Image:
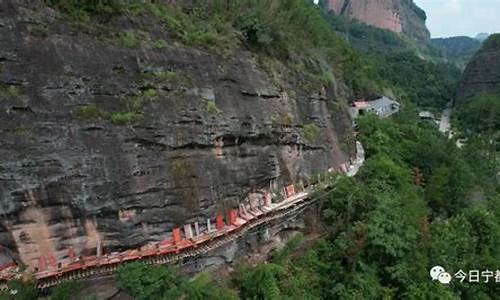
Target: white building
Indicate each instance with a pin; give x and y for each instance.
(382, 107)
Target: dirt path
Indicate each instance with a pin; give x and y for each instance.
(445, 124)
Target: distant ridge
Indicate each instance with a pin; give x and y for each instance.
(482, 36)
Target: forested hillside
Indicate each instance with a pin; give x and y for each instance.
(458, 50)
(418, 202)
(478, 101)
(397, 65)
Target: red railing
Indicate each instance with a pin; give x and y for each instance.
(50, 271)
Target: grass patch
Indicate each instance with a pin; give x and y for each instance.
(10, 92)
(38, 30)
(135, 108)
(162, 74)
(195, 28)
(133, 113)
(123, 118)
(212, 108)
(89, 113)
(282, 119)
(135, 103)
(166, 74)
(327, 78)
(83, 11)
(160, 44)
(149, 93)
(130, 39)
(311, 132)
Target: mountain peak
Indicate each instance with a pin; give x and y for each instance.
(482, 74)
(482, 36)
(400, 16)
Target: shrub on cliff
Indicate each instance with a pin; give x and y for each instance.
(212, 108)
(149, 282)
(262, 282)
(492, 43)
(482, 113)
(18, 289)
(253, 30)
(122, 118)
(9, 92)
(311, 132)
(66, 290)
(81, 10)
(160, 282)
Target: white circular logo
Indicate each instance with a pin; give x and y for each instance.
(444, 278)
(435, 271)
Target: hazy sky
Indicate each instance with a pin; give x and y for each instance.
(461, 17)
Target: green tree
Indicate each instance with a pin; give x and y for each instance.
(436, 191)
(20, 290)
(150, 282)
(263, 282)
(202, 287)
(429, 290)
(66, 291)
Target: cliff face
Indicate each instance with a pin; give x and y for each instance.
(401, 16)
(205, 133)
(482, 74)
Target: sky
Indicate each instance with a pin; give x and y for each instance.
(461, 17)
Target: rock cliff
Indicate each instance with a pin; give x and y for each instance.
(401, 16)
(482, 74)
(111, 145)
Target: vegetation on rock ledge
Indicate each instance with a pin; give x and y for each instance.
(160, 282)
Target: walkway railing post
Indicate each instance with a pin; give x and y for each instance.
(209, 226)
(188, 231)
(196, 229)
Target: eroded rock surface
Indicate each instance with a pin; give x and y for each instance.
(401, 16)
(482, 74)
(206, 131)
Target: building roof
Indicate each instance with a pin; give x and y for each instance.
(361, 104)
(382, 102)
(383, 107)
(375, 104)
(426, 115)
